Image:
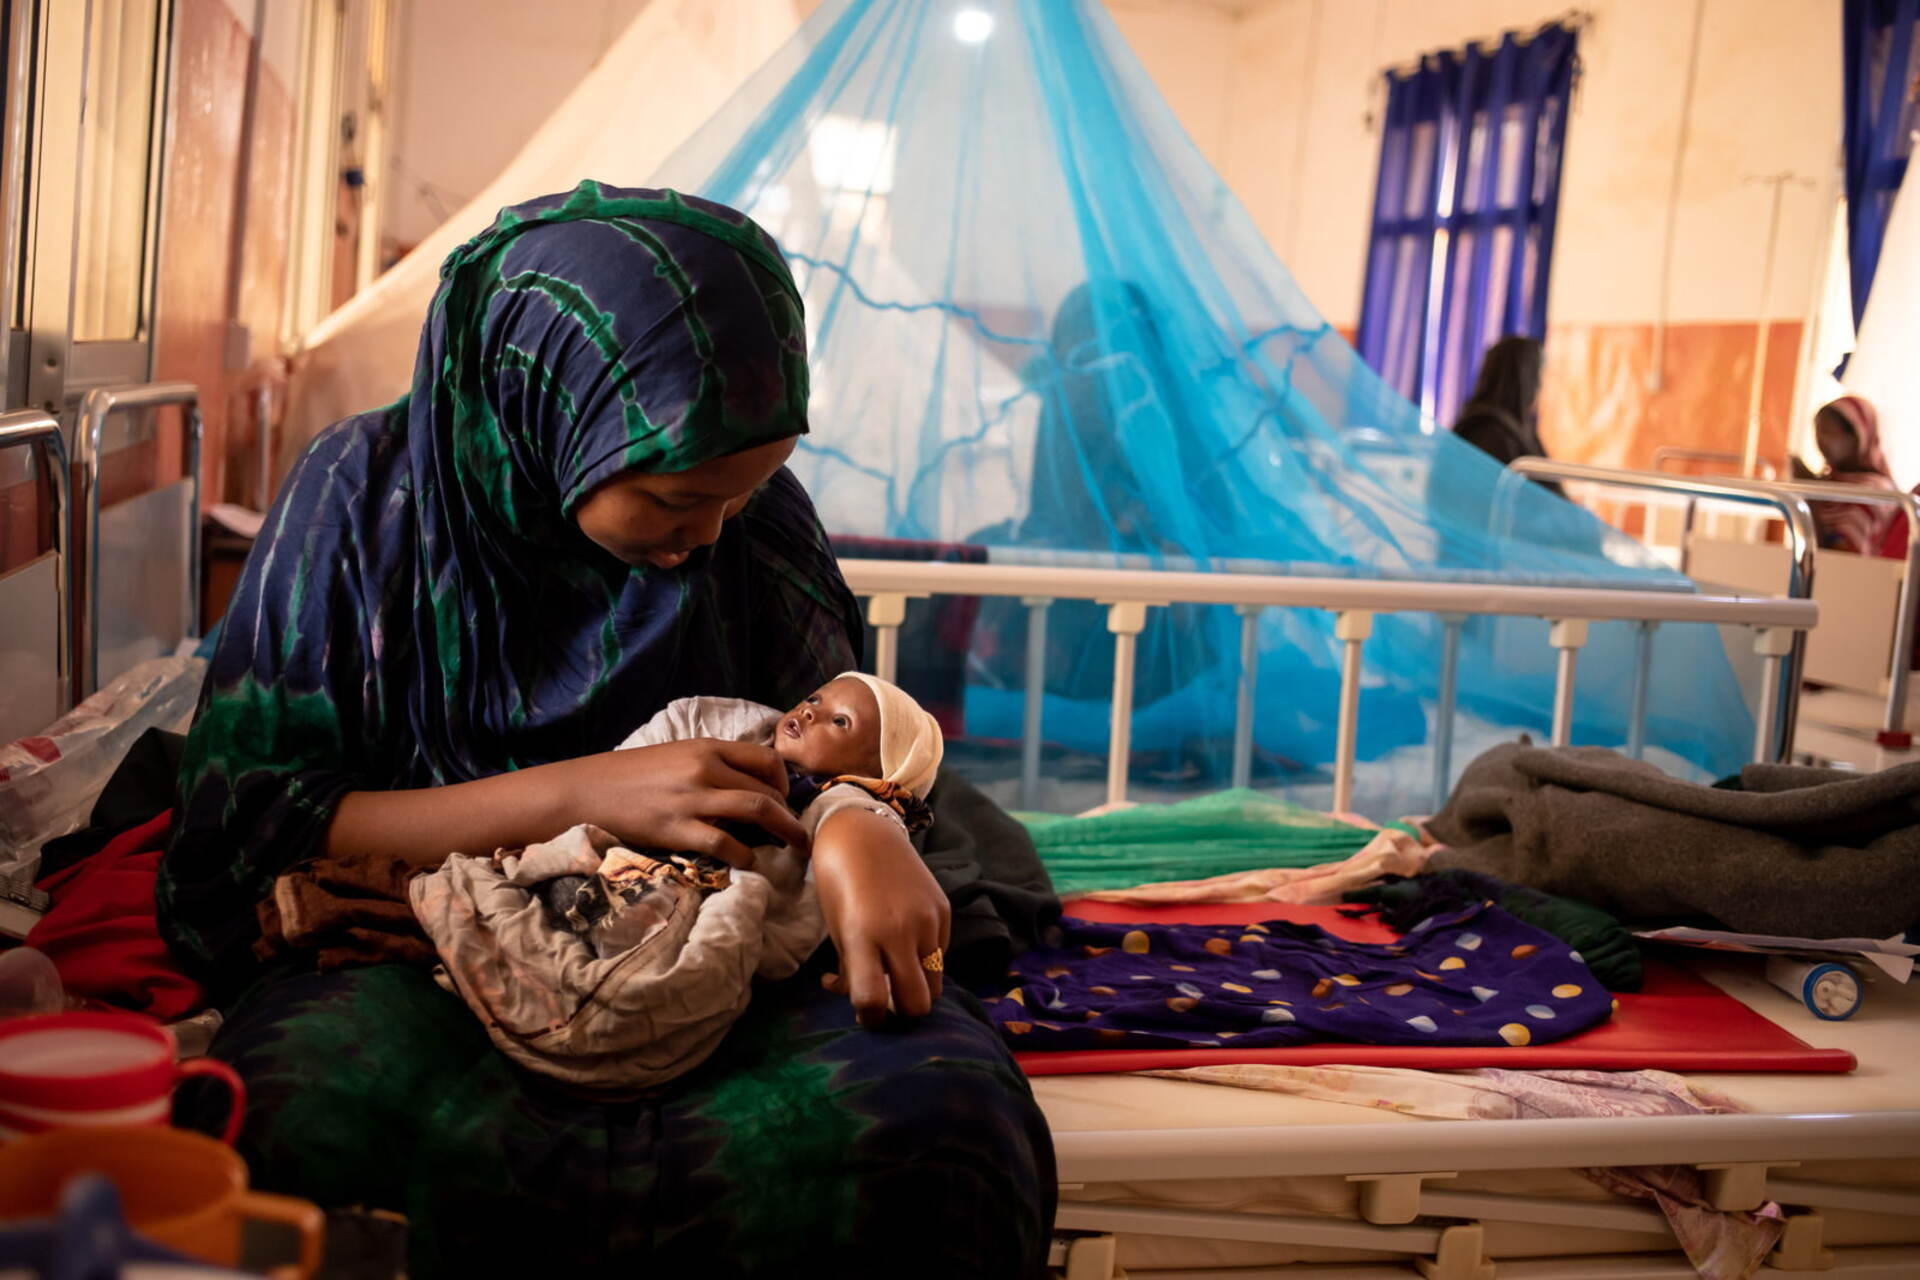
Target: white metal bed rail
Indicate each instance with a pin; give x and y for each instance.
(1783, 680)
(40, 432)
(1788, 497)
(96, 407)
(1778, 624)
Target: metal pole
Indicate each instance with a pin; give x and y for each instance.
(886, 610)
(1443, 711)
(13, 154)
(1750, 454)
(1126, 619)
(1243, 709)
(1904, 623)
(1776, 647)
(96, 407)
(1567, 635)
(1642, 681)
(190, 598)
(41, 432)
(1035, 695)
(1351, 627)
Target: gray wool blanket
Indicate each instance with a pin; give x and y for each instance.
(1797, 851)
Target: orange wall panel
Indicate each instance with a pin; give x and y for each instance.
(1600, 403)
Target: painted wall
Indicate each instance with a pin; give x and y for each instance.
(1766, 98)
(473, 78)
(1658, 260)
(1642, 165)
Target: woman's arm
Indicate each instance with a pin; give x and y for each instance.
(885, 911)
(664, 797)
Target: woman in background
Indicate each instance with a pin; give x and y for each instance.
(1499, 418)
(1848, 432)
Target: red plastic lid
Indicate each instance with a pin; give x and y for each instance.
(125, 1085)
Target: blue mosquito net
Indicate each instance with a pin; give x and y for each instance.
(1044, 331)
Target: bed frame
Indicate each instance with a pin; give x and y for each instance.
(1404, 1208)
(1401, 1166)
(1873, 605)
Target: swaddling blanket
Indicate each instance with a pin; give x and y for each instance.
(639, 1016)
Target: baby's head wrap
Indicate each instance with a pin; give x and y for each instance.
(910, 741)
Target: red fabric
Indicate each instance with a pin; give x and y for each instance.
(102, 934)
(1676, 1022)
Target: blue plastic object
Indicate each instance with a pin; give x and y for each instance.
(88, 1240)
(1040, 323)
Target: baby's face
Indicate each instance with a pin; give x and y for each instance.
(835, 730)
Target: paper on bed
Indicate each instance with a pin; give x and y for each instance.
(1892, 956)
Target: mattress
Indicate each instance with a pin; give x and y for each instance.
(1094, 1117)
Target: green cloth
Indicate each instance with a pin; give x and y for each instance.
(1238, 830)
(1607, 946)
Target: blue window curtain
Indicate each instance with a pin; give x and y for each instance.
(1882, 67)
(1464, 210)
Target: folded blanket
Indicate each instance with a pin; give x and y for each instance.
(1797, 851)
(1228, 831)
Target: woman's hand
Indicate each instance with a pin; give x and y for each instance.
(672, 796)
(886, 914)
(676, 795)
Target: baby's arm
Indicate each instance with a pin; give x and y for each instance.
(888, 916)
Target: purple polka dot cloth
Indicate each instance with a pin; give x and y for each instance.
(1477, 976)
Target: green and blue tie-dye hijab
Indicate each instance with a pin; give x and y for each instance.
(420, 608)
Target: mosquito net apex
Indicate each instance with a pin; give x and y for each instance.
(1042, 325)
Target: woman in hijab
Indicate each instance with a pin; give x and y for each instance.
(1107, 388)
(460, 604)
(1848, 432)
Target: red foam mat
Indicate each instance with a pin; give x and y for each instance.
(1676, 1022)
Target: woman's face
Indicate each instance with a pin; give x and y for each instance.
(1838, 443)
(659, 520)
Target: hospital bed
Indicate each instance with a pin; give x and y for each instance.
(1722, 532)
(116, 579)
(1169, 1178)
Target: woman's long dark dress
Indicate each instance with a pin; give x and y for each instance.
(420, 611)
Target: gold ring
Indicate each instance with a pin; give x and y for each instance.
(933, 961)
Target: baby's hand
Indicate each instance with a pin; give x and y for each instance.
(677, 795)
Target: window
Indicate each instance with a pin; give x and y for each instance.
(1464, 212)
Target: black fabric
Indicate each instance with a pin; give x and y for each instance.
(1607, 946)
(141, 787)
(986, 862)
(1502, 437)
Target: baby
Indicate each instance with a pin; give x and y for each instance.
(617, 969)
(857, 733)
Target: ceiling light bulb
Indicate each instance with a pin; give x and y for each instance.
(972, 26)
